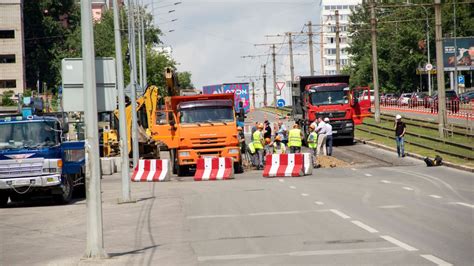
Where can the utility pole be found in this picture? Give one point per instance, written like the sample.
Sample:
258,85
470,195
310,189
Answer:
456,89
310,44
145,82
140,48
274,77
338,49
95,237
133,80
375,70
253,95
442,118
265,85
292,67
430,90
126,197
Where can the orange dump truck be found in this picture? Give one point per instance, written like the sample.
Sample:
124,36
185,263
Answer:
198,126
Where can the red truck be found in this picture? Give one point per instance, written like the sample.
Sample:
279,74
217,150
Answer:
330,96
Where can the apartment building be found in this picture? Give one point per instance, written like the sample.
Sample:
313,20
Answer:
328,33
12,69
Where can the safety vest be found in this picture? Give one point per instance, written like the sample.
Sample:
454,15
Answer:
251,148
312,140
279,149
294,138
256,139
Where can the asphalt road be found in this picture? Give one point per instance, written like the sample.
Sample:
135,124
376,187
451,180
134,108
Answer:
380,210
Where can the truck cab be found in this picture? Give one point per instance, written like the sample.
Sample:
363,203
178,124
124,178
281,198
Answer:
35,160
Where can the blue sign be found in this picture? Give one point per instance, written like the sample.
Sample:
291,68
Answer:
281,103
461,79
240,90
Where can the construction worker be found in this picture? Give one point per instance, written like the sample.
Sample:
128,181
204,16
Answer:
313,142
268,146
278,146
258,143
294,139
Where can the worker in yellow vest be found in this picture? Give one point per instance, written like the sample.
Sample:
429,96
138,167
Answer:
258,143
294,139
278,146
313,142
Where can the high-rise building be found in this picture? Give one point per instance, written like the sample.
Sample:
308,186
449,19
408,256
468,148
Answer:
12,70
328,33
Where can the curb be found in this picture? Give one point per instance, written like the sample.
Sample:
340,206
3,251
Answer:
414,155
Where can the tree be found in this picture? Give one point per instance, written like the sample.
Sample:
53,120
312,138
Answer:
184,80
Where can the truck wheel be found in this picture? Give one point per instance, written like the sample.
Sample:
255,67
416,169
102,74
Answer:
238,168
174,161
66,189
3,199
182,170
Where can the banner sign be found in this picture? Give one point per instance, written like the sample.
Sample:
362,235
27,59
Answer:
462,53
240,90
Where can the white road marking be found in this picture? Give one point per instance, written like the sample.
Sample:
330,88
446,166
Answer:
435,260
319,203
390,206
407,188
292,187
367,174
386,181
365,227
252,214
463,204
339,213
435,196
299,253
353,169
399,243
304,194
281,180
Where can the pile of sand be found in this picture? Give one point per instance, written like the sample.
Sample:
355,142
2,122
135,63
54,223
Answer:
330,162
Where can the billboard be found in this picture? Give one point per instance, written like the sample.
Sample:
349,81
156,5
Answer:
463,54
240,90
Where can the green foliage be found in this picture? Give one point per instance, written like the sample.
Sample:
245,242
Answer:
184,80
399,32
6,101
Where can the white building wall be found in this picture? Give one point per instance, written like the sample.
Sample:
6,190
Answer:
328,32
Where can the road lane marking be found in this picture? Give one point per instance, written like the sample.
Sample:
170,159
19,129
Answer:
407,188
353,169
399,243
339,213
252,214
367,174
304,194
435,196
292,187
435,260
463,204
365,227
281,180
299,253
319,203
390,206
385,181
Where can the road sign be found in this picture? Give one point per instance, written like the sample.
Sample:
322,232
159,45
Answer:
461,79
428,67
280,85
281,103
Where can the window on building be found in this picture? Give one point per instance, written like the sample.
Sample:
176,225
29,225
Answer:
7,84
345,7
7,58
339,7
7,34
332,40
327,7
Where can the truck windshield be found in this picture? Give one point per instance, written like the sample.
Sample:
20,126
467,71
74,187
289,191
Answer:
329,97
207,114
28,135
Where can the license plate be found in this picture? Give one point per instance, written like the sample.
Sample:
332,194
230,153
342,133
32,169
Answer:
210,156
22,182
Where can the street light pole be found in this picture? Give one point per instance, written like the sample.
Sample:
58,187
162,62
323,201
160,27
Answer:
375,70
95,237
126,197
442,118
133,80
430,90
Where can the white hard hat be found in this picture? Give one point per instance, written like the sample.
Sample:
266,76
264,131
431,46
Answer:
326,119
398,117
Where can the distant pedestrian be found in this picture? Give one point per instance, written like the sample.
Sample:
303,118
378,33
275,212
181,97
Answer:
321,129
400,130
282,132
267,133
328,137
254,128
294,139
278,146
313,143
258,143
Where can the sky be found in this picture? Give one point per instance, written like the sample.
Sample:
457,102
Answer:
211,36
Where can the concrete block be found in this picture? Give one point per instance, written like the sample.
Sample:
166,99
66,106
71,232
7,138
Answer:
106,166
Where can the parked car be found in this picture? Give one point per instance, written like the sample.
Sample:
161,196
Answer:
452,102
365,96
404,98
467,97
418,99
389,98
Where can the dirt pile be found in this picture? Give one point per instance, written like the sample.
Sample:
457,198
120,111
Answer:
330,162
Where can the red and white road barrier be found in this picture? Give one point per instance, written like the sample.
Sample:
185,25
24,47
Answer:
280,165
307,163
152,171
220,168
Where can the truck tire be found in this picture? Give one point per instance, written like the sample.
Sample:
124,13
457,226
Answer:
174,161
183,170
238,168
66,188
3,199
